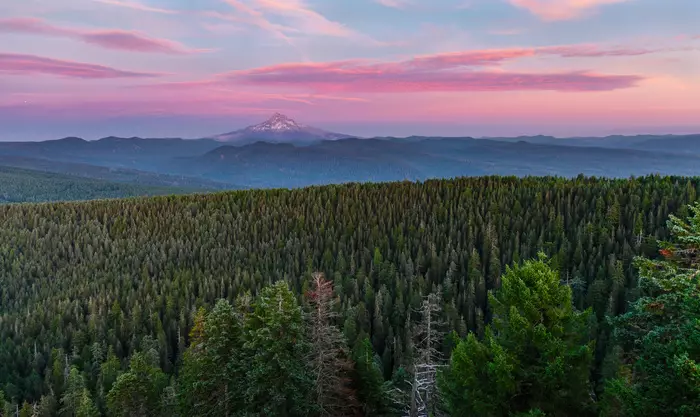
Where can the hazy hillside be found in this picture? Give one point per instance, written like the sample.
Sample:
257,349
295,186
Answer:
684,144
210,164
21,185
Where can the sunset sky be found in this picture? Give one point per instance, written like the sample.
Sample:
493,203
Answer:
186,68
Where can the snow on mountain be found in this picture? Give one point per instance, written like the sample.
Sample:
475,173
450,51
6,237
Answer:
279,129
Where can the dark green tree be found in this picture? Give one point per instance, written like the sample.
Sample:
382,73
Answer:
26,411
659,368
137,393
278,382
370,385
87,407
75,386
536,354
212,374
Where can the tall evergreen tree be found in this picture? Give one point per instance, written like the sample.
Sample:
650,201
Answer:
75,386
371,387
212,371
137,393
279,382
659,368
536,353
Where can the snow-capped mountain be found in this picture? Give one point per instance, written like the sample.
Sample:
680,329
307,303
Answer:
279,129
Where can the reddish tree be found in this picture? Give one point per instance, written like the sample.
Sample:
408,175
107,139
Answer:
329,358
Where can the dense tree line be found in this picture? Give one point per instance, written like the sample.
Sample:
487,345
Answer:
97,296
21,185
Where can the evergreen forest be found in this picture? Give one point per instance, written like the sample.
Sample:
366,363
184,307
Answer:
483,296
19,185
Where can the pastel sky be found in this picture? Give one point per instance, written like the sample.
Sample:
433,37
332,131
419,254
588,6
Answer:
186,68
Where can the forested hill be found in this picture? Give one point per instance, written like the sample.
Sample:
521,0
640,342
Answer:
84,286
22,185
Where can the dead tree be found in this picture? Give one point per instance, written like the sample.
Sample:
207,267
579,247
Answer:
329,357
427,335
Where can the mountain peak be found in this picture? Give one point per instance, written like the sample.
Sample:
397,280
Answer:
277,123
279,129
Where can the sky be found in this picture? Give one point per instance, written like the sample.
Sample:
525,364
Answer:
185,68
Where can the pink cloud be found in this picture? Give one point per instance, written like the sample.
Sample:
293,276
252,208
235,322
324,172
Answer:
582,51
222,89
561,9
343,78
306,19
456,71
396,4
21,64
468,58
136,6
252,17
205,98
110,39
286,18
499,56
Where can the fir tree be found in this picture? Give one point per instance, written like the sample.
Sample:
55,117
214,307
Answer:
535,354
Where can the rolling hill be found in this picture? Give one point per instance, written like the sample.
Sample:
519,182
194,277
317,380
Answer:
22,186
213,165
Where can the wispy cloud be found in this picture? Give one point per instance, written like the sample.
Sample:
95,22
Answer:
286,19
506,32
360,79
110,39
137,6
306,19
253,17
222,86
497,56
561,9
396,4
22,64
448,72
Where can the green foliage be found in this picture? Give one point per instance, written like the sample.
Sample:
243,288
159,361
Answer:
109,371
26,410
20,185
369,380
72,397
536,353
80,279
47,406
137,393
9,409
86,407
278,382
659,372
212,374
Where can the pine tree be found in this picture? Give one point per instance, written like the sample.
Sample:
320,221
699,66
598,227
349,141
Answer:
47,406
70,401
279,383
212,368
137,393
86,407
660,335
371,388
536,353
109,372
26,411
